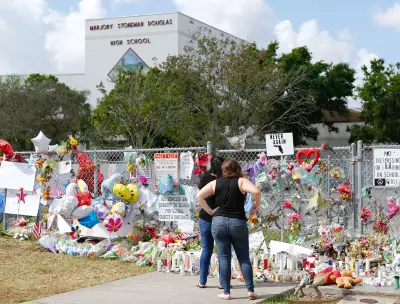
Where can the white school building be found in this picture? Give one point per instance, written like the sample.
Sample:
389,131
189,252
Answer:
128,43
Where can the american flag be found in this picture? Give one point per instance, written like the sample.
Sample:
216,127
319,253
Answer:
186,235
37,229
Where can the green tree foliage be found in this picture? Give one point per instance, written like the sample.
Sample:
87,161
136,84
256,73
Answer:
380,94
220,88
41,103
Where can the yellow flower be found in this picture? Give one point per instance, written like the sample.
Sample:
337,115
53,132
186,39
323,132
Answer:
73,142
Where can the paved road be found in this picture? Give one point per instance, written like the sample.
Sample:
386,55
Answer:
157,287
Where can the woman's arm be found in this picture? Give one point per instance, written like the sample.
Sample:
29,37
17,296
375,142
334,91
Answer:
247,186
205,192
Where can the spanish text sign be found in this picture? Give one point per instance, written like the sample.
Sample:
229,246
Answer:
279,144
387,168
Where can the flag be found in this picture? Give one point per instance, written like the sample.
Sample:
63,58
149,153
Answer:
37,230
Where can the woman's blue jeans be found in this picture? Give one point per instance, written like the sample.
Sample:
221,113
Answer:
207,244
229,232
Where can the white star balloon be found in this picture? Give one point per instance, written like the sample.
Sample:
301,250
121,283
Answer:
41,143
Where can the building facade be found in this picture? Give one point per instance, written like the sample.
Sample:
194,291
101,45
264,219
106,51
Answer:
130,43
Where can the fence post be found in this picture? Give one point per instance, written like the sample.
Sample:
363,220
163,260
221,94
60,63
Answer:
96,177
360,162
209,147
328,188
353,186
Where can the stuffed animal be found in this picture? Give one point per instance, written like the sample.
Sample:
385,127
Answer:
108,185
347,280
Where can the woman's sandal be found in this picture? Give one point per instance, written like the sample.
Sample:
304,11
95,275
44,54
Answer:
253,297
224,296
200,286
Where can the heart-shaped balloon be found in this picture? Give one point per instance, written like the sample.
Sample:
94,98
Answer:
309,157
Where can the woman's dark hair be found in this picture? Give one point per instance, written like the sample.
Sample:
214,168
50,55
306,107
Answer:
216,166
231,168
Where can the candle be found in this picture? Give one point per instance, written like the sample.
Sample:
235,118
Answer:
265,263
380,275
213,260
396,282
353,264
367,265
290,263
255,261
281,264
173,263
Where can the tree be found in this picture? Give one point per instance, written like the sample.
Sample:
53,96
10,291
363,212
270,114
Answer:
41,103
380,94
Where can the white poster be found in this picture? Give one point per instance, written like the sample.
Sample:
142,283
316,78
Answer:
173,208
64,167
387,168
146,172
186,165
279,144
255,240
29,206
166,164
17,175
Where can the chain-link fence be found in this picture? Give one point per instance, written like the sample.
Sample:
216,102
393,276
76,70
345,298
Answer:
356,168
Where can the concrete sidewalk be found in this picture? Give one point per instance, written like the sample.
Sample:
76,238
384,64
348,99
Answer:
158,287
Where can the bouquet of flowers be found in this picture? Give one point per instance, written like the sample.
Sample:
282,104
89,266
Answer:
294,221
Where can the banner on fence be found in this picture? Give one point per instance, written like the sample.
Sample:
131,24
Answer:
279,144
166,164
387,168
17,175
173,208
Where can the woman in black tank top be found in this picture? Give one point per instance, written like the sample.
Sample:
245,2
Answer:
229,224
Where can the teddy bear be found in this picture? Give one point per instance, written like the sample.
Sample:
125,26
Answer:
347,280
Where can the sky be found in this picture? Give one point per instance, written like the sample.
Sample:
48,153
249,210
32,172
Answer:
48,36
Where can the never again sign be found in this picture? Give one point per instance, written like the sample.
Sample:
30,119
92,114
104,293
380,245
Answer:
279,144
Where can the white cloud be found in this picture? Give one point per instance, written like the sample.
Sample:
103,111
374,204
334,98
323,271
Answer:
390,17
66,41
38,39
247,19
321,43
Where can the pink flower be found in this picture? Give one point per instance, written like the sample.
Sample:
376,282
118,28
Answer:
113,223
294,217
262,158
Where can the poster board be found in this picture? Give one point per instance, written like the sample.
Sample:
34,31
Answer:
166,164
17,175
29,208
186,165
255,240
279,144
386,168
173,208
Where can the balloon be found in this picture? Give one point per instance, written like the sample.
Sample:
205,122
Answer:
53,149
108,185
89,221
134,189
82,186
6,148
101,211
41,143
121,191
113,222
68,206
81,212
167,185
84,199
119,208
72,190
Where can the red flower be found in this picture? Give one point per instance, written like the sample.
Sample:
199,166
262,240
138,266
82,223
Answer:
287,205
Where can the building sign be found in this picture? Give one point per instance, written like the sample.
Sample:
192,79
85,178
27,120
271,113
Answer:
279,144
173,208
129,61
160,22
101,27
166,164
387,168
130,24
130,41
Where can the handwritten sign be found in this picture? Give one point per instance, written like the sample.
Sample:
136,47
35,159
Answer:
166,164
255,240
173,208
186,165
29,208
17,175
279,144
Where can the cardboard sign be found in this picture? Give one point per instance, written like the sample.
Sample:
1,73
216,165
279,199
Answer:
173,208
255,240
29,208
279,144
186,165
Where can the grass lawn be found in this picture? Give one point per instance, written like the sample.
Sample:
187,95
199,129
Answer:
28,272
